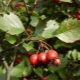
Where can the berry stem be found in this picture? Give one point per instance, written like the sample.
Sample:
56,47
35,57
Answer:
47,44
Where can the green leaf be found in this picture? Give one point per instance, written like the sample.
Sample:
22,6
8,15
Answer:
52,77
38,71
11,24
46,28
34,21
70,1
69,30
1,69
10,38
76,72
78,55
62,73
74,54
28,46
17,71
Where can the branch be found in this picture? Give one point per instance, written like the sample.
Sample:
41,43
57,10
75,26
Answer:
2,53
5,63
7,4
28,14
35,4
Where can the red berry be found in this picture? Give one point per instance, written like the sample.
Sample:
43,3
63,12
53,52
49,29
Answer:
24,78
34,59
52,55
17,60
78,12
70,12
44,78
28,31
57,62
42,57
71,64
28,54
56,0
78,17
18,5
68,79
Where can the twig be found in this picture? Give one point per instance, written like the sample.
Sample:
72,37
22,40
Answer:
7,5
47,44
5,63
3,52
35,4
28,14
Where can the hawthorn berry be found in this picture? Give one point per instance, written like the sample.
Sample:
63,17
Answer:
24,78
28,53
52,55
17,60
57,62
78,17
71,64
34,59
44,78
78,12
28,31
42,57
18,5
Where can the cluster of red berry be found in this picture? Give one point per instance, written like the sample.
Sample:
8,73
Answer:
50,56
74,16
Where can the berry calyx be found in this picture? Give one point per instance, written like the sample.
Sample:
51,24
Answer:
17,60
52,55
78,17
28,31
57,62
44,78
34,59
42,57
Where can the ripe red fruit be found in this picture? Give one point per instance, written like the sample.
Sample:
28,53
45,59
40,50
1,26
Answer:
78,12
44,78
42,57
57,62
56,0
34,59
28,31
52,55
78,17
17,60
